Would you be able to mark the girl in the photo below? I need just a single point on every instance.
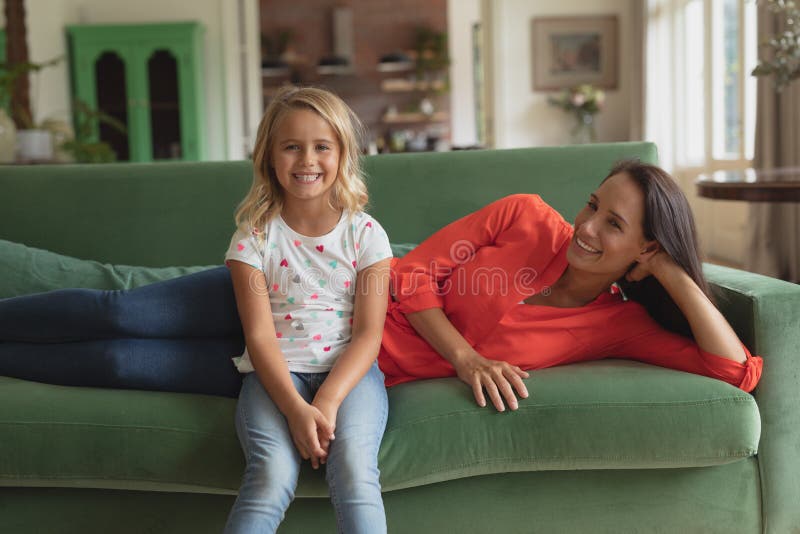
(310, 275)
(559, 292)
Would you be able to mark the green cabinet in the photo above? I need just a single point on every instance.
(147, 76)
(3, 60)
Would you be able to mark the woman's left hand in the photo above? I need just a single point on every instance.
(654, 265)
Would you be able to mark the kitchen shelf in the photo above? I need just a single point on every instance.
(275, 72)
(339, 70)
(400, 85)
(396, 66)
(411, 118)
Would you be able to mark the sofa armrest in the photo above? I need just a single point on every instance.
(765, 312)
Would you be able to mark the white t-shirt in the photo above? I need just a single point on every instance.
(311, 284)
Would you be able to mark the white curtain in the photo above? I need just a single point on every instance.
(637, 71)
(659, 101)
(666, 113)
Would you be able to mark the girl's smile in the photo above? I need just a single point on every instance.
(307, 179)
(305, 157)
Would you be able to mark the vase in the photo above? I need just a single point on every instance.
(35, 145)
(8, 138)
(584, 132)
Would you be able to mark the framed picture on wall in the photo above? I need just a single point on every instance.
(569, 51)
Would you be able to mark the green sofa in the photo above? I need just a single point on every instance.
(609, 446)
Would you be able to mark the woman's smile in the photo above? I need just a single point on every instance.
(585, 246)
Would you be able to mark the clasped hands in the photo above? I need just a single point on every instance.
(312, 426)
(499, 379)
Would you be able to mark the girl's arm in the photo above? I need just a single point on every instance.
(252, 301)
(710, 329)
(369, 313)
(499, 378)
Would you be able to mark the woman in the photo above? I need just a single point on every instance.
(512, 287)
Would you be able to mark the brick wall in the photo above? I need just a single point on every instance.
(380, 27)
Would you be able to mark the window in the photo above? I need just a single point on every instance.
(700, 95)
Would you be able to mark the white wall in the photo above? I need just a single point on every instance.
(223, 63)
(461, 15)
(523, 117)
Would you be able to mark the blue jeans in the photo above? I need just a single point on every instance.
(273, 462)
(176, 335)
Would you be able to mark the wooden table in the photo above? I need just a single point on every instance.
(752, 185)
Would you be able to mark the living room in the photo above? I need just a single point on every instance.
(470, 101)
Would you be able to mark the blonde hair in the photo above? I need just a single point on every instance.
(266, 197)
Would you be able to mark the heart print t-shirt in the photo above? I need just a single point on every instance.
(311, 284)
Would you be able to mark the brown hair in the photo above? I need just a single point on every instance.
(668, 219)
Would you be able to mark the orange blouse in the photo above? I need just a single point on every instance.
(479, 269)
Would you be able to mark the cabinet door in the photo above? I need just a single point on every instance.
(164, 111)
(3, 60)
(149, 78)
(172, 101)
(172, 114)
(102, 77)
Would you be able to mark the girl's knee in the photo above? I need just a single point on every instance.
(267, 477)
(354, 463)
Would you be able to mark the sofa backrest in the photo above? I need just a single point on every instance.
(413, 195)
(162, 214)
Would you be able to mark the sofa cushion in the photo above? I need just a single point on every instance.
(32, 270)
(611, 414)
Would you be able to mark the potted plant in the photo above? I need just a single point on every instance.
(432, 59)
(33, 143)
(8, 136)
(781, 57)
(83, 148)
(8, 130)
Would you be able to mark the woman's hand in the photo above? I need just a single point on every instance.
(499, 379)
(307, 423)
(655, 264)
(326, 434)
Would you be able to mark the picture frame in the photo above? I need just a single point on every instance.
(570, 51)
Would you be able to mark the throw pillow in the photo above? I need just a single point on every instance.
(31, 270)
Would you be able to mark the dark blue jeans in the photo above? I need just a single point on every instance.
(176, 335)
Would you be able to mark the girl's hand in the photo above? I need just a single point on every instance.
(306, 423)
(329, 409)
(498, 378)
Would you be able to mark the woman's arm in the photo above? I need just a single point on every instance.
(710, 329)
(252, 301)
(419, 278)
(369, 313)
(499, 378)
